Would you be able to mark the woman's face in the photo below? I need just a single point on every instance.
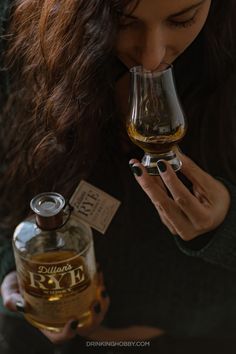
(156, 32)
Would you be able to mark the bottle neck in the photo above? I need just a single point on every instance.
(50, 223)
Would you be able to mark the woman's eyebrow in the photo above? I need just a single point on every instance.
(187, 9)
(181, 12)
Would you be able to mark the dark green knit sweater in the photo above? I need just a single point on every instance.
(153, 278)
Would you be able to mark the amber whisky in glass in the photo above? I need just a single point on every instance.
(156, 122)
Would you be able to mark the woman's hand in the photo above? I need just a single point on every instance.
(14, 302)
(185, 214)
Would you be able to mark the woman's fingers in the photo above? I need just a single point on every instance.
(73, 327)
(189, 215)
(11, 296)
(14, 301)
(168, 225)
(183, 214)
(68, 332)
(99, 309)
(153, 179)
(196, 212)
(151, 185)
(175, 219)
(196, 175)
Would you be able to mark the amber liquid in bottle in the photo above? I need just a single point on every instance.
(56, 264)
(56, 283)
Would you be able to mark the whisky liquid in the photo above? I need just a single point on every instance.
(158, 144)
(56, 287)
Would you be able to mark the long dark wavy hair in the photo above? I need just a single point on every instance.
(61, 113)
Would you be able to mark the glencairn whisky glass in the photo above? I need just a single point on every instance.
(156, 121)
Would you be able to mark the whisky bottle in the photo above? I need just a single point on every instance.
(55, 263)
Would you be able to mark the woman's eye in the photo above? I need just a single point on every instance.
(182, 24)
(187, 22)
(126, 22)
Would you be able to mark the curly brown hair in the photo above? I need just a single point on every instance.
(60, 62)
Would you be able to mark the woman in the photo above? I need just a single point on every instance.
(168, 259)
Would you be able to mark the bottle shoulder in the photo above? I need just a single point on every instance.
(28, 237)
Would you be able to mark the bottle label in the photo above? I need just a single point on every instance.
(93, 206)
(56, 286)
(55, 279)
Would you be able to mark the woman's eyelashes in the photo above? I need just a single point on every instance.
(182, 24)
(126, 22)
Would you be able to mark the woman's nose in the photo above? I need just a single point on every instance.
(153, 50)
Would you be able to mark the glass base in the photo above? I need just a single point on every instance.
(150, 162)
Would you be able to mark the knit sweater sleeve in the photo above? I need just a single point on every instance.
(7, 261)
(219, 246)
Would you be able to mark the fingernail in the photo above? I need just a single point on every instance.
(97, 308)
(20, 306)
(161, 166)
(104, 294)
(136, 170)
(74, 325)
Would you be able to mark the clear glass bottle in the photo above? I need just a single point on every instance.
(56, 265)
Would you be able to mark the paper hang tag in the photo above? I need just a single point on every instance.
(94, 206)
